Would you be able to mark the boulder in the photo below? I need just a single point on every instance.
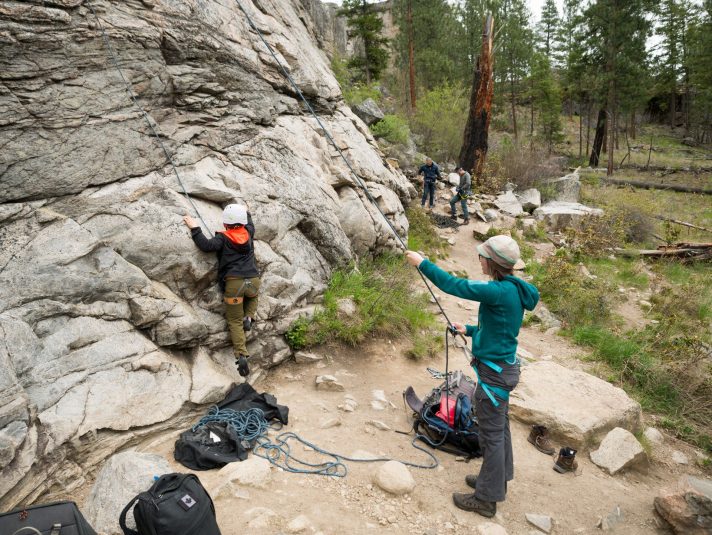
(679, 458)
(653, 436)
(368, 111)
(328, 382)
(543, 522)
(530, 199)
(618, 451)
(346, 307)
(491, 214)
(687, 506)
(252, 472)
(566, 188)
(304, 357)
(490, 528)
(578, 408)
(545, 317)
(509, 204)
(104, 298)
(394, 477)
(611, 520)
(122, 477)
(559, 215)
(480, 230)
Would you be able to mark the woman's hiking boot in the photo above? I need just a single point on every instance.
(468, 502)
(471, 481)
(539, 437)
(566, 461)
(243, 367)
(247, 324)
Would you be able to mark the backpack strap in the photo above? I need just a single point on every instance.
(122, 517)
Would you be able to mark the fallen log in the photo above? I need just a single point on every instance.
(683, 223)
(656, 185)
(687, 252)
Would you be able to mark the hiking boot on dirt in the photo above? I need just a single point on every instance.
(471, 481)
(247, 324)
(465, 221)
(453, 217)
(566, 461)
(468, 502)
(539, 437)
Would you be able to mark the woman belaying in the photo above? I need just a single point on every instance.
(238, 275)
(494, 346)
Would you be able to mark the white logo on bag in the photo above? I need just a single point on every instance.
(188, 501)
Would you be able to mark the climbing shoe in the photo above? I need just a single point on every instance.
(468, 502)
(539, 437)
(566, 461)
(247, 324)
(243, 367)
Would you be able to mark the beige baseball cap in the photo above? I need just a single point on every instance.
(502, 250)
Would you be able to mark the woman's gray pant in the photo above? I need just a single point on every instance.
(496, 444)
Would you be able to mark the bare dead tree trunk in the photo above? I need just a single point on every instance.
(632, 124)
(411, 57)
(588, 126)
(598, 139)
(514, 109)
(474, 145)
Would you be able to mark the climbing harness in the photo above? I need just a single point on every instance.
(252, 427)
(149, 122)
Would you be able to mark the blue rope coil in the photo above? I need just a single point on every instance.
(252, 426)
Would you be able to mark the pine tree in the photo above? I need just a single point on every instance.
(548, 27)
(699, 64)
(367, 26)
(546, 96)
(616, 36)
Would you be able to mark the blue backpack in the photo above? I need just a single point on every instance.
(446, 419)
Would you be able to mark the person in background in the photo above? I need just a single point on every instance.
(431, 173)
(464, 190)
(494, 348)
(238, 275)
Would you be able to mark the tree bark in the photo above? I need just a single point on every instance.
(514, 109)
(598, 139)
(588, 126)
(474, 145)
(580, 131)
(411, 56)
(632, 124)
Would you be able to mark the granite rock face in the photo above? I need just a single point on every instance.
(110, 318)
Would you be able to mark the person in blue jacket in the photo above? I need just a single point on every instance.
(494, 348)
(431, 173)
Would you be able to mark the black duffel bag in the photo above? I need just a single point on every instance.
(176, 504)
(57, 518)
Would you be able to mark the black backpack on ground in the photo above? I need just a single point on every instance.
(446, 419)
(212, 445)
(176, 504)
(57, 518)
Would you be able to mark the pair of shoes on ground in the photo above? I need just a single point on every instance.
(465, 220)
(566, 460)
(468, 502)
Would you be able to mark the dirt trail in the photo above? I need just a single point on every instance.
(354, 505)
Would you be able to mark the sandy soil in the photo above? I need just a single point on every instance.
(353, 505)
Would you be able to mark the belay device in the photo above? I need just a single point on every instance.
(445, 419)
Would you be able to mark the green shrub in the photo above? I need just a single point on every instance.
(576, 300)
(423, 236)
(354, 93)
(392, 128)
(386, 304)
(440, 120)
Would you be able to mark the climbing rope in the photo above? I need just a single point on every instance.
(149, 122)
(252, 426)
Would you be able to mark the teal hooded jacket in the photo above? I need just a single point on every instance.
(502, 305)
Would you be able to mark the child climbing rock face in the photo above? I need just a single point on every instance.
(238, 275)
(494, 347)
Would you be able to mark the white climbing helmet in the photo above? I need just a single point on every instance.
(235, 214)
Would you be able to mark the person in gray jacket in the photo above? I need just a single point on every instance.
(464, 190)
